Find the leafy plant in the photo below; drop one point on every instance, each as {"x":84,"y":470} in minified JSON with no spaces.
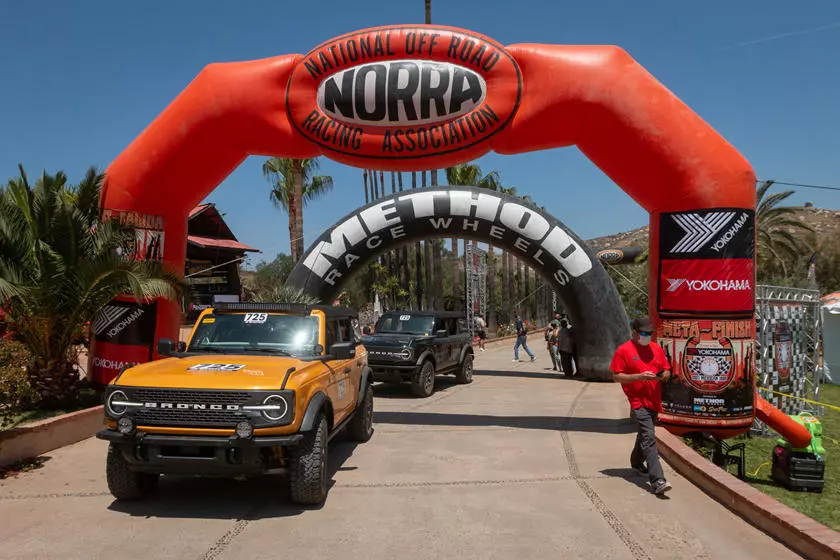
{"x":59,"y":266}
{"x":284,"y":294}
{"x":16,"y":394}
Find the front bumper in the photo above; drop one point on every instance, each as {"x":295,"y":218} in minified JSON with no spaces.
{"x":390,"y":371}
{"x":196,"y":455}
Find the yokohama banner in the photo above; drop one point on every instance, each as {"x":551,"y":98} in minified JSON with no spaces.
{"x":122,"y":335}
{"x":723,"y":286}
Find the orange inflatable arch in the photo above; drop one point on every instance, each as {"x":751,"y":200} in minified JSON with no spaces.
{"x":411,"y":97}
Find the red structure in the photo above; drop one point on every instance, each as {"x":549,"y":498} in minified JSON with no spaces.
{"x":411,"y":97}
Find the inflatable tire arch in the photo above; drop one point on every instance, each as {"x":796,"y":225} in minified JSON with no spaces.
{"x":504,"y":221}
{"x":367,"y":99}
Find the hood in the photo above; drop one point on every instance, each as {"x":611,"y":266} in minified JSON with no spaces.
{"x":216,"y":371}
{"x":391,"y":339}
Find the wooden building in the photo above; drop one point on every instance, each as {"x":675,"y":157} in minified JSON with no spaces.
{"x":214,"y":256}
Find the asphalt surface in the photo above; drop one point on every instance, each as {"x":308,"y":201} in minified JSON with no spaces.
{"x":519,"y":464}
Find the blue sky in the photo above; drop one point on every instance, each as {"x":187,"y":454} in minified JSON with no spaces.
{"x":80,"y":80}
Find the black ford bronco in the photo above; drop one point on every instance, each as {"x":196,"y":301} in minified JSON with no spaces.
{"x":417,"y":345}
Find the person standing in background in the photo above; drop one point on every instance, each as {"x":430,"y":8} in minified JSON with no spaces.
{"x":566,"y":346}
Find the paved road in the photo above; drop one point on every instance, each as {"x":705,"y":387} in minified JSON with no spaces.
{"x":519,"y":464}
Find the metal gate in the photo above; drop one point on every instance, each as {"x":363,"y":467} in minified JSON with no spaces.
{"x":475,"y":268}
{"x":788,"y":347}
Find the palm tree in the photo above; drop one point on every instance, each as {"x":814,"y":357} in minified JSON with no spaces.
{"x":777,"y":228}
{"x":59,"y":266}
{"x":293,"y":185}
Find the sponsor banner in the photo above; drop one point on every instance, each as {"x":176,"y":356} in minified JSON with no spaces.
{"x":148,"y":234}
{"x":467,"y":212}
{"x":713,"y":362}
{"x":108,"y":359}
{"x":719,"y":233}
{"x":783,"y":350}
{"x":403,"y":92}
{"x":122,"y":322}
{"x":723,"y":286}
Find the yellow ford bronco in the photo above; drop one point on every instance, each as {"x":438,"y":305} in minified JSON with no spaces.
{"x":258,"y":388}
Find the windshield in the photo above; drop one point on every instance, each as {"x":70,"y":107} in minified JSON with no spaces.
{"x":290,"y":335}
{"x":405,"y":324}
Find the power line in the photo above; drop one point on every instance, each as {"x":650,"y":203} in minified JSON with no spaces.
{"x":821,"y":187}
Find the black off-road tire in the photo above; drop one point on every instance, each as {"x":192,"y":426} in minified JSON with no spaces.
{"x":360,"y":427}
{"x":308,"y":472}
{"x":124,"y":483}
{"x":423,"y":382}
{"x":465,"y":372}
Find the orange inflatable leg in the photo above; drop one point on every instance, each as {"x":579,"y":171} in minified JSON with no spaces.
{"x":797,"y":434}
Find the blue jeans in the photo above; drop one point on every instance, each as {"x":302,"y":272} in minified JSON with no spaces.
{"x":520,"y":341}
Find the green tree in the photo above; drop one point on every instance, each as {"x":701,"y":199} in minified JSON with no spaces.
{"x":59,"y":266}
{"x":269,"y":275}
{"x":293,"y":185}
{"x":781,"y":237}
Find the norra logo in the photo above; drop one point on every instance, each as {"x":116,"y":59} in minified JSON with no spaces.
{"x":401,"y":92}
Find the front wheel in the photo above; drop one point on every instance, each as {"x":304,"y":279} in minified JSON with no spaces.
{"x":308,"y":471}
{"x":423,"y":384}
{"x":124,"y":483}
{"x":465,"y":373}
{"x":361,"y":426}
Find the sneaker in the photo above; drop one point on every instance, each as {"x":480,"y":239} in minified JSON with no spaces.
{"x":516,"y":360}
{"x":641,"y":469}
{"x":533,"y":358}
{"x":661,"y":486}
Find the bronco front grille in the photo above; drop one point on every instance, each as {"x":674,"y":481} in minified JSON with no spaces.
{"x":161,"y":416}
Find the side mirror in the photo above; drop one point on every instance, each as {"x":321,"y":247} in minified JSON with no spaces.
{"x":367,"y":330}
{"x":442,"y":333}
{"x":182,"y":346}
{"x":343,"y":350}
{"x":166,"y":347}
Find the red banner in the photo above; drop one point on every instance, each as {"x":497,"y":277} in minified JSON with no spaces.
{"x":108,"y":359}
{"x":706,"y":285}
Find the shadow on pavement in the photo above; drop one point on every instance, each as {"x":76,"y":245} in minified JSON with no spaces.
{"x":261,"y":497}
{"x":631,"y":476}
{"x":443,"y":383}
{"x":577,"y":424}
{"x":548,"y":374}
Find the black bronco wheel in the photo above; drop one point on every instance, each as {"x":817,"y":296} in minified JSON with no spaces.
{"x":465,"y":372}
{"x":124,"y":483}
{"x":360,"y":427}
{"x":423,"y":383}
{"x":308,"y":471}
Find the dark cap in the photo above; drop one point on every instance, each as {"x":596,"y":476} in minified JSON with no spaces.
{"x":642,"y":324}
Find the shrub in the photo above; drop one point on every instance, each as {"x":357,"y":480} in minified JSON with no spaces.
{"x":16,"y":395}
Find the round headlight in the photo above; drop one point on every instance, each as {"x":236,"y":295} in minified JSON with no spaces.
{"x":275,"y":407}
{"x":244,"y":429}
{"x":112,"y":403}
{"x":125,"y":425}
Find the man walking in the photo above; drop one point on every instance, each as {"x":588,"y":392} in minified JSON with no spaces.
{"x":640,"y":366}
{"x":521,"y":335}
{"x":481,"y":331}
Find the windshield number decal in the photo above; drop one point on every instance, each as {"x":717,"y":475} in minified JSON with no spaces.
{"x":405,"y":317}
{"x":256,"y":317}
{"x":216,"y":367}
